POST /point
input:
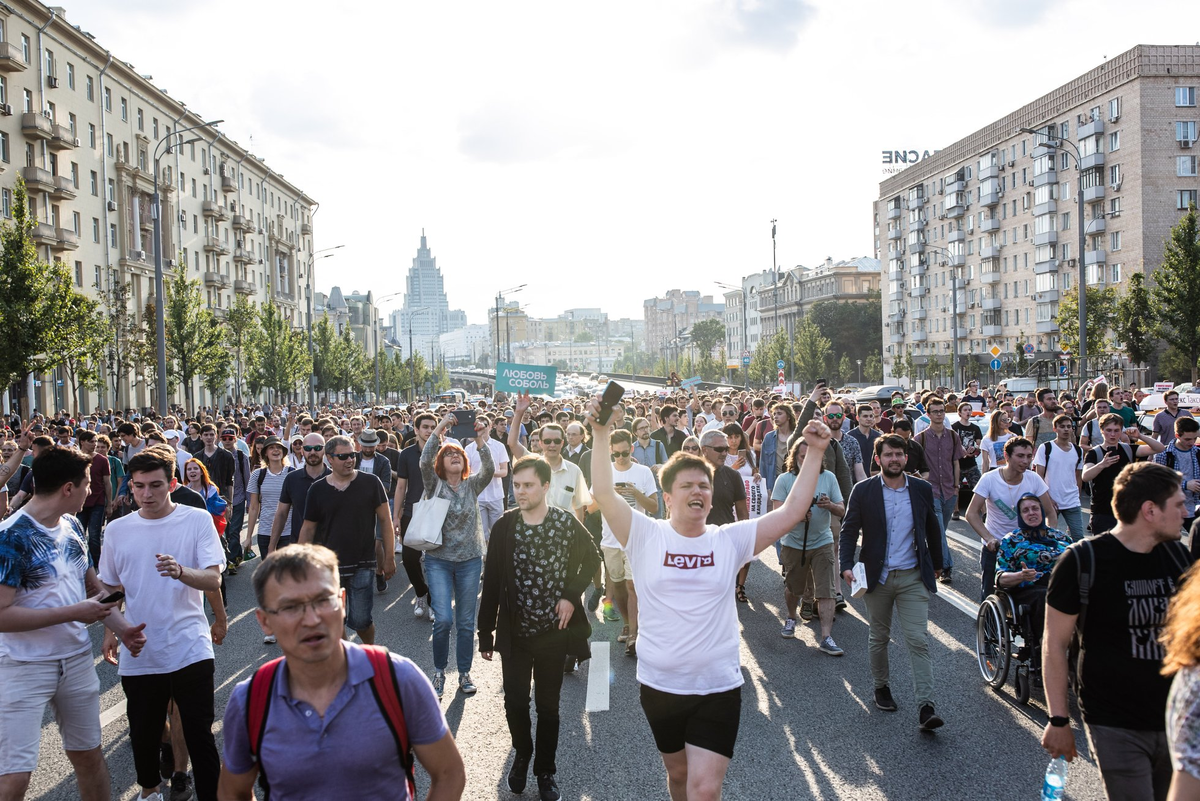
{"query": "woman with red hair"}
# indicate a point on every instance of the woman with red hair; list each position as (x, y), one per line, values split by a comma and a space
(452, 570)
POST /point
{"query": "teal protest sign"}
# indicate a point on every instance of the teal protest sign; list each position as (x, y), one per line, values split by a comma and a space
(533, 378)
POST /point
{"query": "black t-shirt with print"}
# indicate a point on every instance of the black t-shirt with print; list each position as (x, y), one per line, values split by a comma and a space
(1119, 681)
(540, 556)
(1102, 485)
(971, 436)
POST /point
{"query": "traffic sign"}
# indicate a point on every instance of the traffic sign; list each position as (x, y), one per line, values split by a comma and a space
(995, 351)
(779, 365)
(746, 361)
(996, 364)
(1028, 348)
(1064, 356)
(745, 354)
(1062, 369)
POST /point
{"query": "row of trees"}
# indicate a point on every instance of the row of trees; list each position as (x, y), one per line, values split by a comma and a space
(810, 355)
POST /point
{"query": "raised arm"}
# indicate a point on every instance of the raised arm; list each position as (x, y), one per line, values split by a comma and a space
(487, 465)
(522, 404)
(613, 507)
(778, 522)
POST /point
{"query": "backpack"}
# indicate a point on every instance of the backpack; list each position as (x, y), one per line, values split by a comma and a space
(262, 476)
(1048, 449)
(383, 686)
(1100, 454)
(1169, 461)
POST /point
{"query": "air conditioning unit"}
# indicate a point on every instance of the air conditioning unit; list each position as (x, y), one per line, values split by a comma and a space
(241, 244)
(1012, 162)
(52, 81)
(137, 255)
(1186, 142)
(183, 216)
(1114, 117)
(6, 110)
(1072, 262)
(260, 261)
(46, 114)
(112, 205)
(206, 171)
(77, 142)
(171, 263)
(1116, 186)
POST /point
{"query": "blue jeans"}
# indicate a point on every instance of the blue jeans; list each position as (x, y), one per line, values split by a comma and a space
(233, 532)
(456, 582)
(943, 508)
(360, 600)
(1074, 520)
(92, 520)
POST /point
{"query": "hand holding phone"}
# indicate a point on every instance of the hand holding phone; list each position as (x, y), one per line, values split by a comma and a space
(114, 598)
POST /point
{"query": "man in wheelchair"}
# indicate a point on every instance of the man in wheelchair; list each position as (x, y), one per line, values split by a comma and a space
(1024, 560)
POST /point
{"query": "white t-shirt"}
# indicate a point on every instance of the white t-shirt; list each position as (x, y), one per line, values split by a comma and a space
(1060, 475)
(46, 567)
(1002, 499)
(995, 450)
(688, 636)
(494, 491)
(177, 633)
(643, 480)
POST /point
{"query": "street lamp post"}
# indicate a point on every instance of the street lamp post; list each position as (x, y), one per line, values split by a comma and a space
(412, 361)
(774, 279)
(859, 370)
(160, 320)
(499, 297)
(312, 356)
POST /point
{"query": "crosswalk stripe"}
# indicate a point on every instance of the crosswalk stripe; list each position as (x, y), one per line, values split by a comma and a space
(597, 689)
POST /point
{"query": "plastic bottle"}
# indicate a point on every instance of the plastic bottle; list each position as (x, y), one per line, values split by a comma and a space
(1056, 780)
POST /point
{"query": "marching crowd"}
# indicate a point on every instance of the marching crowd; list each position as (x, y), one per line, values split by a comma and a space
(519, 522)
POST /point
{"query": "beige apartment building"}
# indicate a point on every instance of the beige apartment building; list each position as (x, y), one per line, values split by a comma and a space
(82, 127)
(1000, 208)
(785, 304)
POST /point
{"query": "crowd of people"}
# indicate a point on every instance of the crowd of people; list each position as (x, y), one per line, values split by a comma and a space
(520, 523)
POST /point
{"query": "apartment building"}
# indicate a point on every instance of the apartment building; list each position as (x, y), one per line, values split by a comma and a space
(786, 302)
(674, 314)
(89, 134)
(999, 208)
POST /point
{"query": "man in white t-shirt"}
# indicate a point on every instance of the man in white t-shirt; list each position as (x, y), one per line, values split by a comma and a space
(1059, 462)
(166, 558)
(45, 651)
(689, 666)
(998, 491)
(491, 500)
(635, 484)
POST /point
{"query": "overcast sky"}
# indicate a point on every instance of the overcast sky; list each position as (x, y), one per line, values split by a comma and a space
(602, 153)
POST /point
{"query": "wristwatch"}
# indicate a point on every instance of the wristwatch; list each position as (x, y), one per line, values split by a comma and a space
(1059, 721)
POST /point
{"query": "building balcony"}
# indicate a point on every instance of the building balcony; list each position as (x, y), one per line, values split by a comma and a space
(990, 304)
(957, 235)
(1096, 225)
(1093, 193)
(1045, 238)
(63, 138)
(956, 260)
(955, 186)
(1047, 327)
(893, 213)
(37, 179)
(957, 210)
(243, 256)
(64, 187)
(991, 330)
(214, 245)
(990, 277)
(989, 252)
(896, 252)
(917, 224)
(67, 239)
(919, 336)
(36, 126)
(1048, 177)
(228, 184)
(990, 171)
(219, 312)
(896, 295)
(1042, 267)
(963, 333)
(917, 247)
(1092, 161)
(244, 287)
(1047, 296)
(284, 297)
(306, 229)
(916, 202)
(895, 234)
(962, 308)
(44, 234)
(989, 199)
(1091, 128)
(1049, 207)
(917, 269)
(215, 280)
(241, 223)
(896, 275)
(918, 291)
(11, 58)
(1095, 257)
(989, 224)
(897, 337)
(919, 314)
(896, 317)
(214, 210)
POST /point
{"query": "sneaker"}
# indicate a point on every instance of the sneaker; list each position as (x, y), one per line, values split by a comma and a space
(884, 700)
(466, 685)
(419, 610)
(945, 577)
(231, 569)
(166, 760)
(569, 664)
(624, 635)
(806, 611)
(380, 583)
(789, 629)
(518, 774)
(593, 602)
(929, 719)
(429, 613)
(439, 682)
(955, 515)
(547, 789)
(840, 603)
(739, 592)
(610, 612)
(181, 787)
(631, 648)
(269, 639)
(830, 647)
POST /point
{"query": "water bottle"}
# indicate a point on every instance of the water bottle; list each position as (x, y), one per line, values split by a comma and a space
(1056, 779)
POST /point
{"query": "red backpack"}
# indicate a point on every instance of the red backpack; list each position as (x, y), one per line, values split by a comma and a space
(383, 685)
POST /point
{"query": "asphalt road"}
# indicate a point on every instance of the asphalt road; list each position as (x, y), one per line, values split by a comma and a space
(809, 728)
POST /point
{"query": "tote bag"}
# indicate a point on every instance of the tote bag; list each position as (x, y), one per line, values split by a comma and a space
(424, 531)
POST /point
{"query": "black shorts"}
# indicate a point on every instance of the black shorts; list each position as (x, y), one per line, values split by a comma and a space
(705, 721)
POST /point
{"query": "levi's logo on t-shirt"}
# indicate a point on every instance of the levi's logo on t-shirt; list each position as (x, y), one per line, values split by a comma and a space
(688, 561)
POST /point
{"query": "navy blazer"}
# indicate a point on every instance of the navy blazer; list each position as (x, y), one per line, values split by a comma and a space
(865, 514)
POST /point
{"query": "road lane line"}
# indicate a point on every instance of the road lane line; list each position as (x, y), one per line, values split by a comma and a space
(971, 542)
(597, 689)
(959, 601)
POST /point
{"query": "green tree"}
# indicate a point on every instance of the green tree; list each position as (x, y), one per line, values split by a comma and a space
(769, 352)
(83, 343)
(195, 341)
(1101, 311)
(845, 370)
(120, 346)
(707, 335)
(934, 369)
(1021, 360)
(325, 355)
(241, 322)
(419, 372)
(873, 368)
(1135, 325)
(899, 369)
(275, 352)
(852, 328)
(811, 347)
(1176, 294)
(584, 336)
(1174, 366)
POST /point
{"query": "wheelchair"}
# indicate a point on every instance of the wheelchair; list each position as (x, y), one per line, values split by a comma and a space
(1004, 641)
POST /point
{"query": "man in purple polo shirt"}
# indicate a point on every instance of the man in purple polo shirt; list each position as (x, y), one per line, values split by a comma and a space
(325, 735)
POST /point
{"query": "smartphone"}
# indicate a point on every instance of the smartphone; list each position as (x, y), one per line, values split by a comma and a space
(612, 394)
(1112, 451)
(621, 484)
(464, 428)
(116, 597)
(822, 382)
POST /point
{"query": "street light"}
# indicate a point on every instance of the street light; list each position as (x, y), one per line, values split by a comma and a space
(412, 360)
(160, 320)
(859, 370)
(376, 337)
(499, 295)
(745, 331)
(312, 380)
(1051, 142)
(956, 376)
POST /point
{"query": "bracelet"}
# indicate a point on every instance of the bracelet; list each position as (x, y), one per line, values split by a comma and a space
(1059, 721)
(180, 576)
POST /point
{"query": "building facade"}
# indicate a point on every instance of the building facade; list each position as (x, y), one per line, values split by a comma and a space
(784, 304)
(673, 315)
(88, 135)
(464, 345)
(426, 313)
(999, 209)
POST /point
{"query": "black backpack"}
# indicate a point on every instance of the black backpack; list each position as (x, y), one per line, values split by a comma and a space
(1048, 449)
(262, 476)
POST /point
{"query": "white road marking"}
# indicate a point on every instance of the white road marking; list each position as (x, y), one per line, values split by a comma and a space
(971, 542)
(597, 689)
(959, 601)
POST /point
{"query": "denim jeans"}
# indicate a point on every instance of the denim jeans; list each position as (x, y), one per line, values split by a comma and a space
(92, 520)
(456, 582)
(943, 508)
(233, 532)
(1074, 520)
(360, 601)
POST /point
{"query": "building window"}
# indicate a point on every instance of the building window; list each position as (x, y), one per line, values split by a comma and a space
(6, 202)
(1114, 207)
(1114, 240)
(108, 99)
(78, 273)
(141, 120)
(109, 144)
(90, 89)
(4, 153)
(91, 136)
(154, 128)
(1185, 131)
(1114, 141)
(96, 230)
(1185, 97)
(96, 276)
(1185, 166)
(112, 236)
(1115, 276)
(1114, 109)
(1114, 175)
(71, 75)
(124, 109)
(27, 100)
(26, 49)
(1186, 198)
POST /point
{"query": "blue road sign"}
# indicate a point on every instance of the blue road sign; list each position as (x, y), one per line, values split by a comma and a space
(996, 364)
(1028, 348)
(779, 364)
(746, 361)
(1062, 369)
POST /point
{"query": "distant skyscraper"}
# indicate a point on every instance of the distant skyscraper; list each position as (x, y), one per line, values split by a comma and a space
(426, 312)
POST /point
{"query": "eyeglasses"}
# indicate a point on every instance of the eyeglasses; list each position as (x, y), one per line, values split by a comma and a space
(341, 457)
(621, 454)
(322, 606)
(835, 415)
(691, 449)
(718, 448)
(937, 411)
(228, 438)
(552, 442)
(730, 413)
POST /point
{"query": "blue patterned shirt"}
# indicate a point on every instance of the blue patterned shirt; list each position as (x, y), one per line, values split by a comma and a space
(1016, 549)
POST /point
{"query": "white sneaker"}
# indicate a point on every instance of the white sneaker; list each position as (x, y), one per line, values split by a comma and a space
(419, 609)
(155, 796)
(269, 639)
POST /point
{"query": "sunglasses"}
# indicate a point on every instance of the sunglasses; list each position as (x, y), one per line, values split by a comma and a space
(835, 415)
(692, 449)
(621, 454)
(718, 448)
(314, 448)
(341, 457)
(552, 442)
(728, 414)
